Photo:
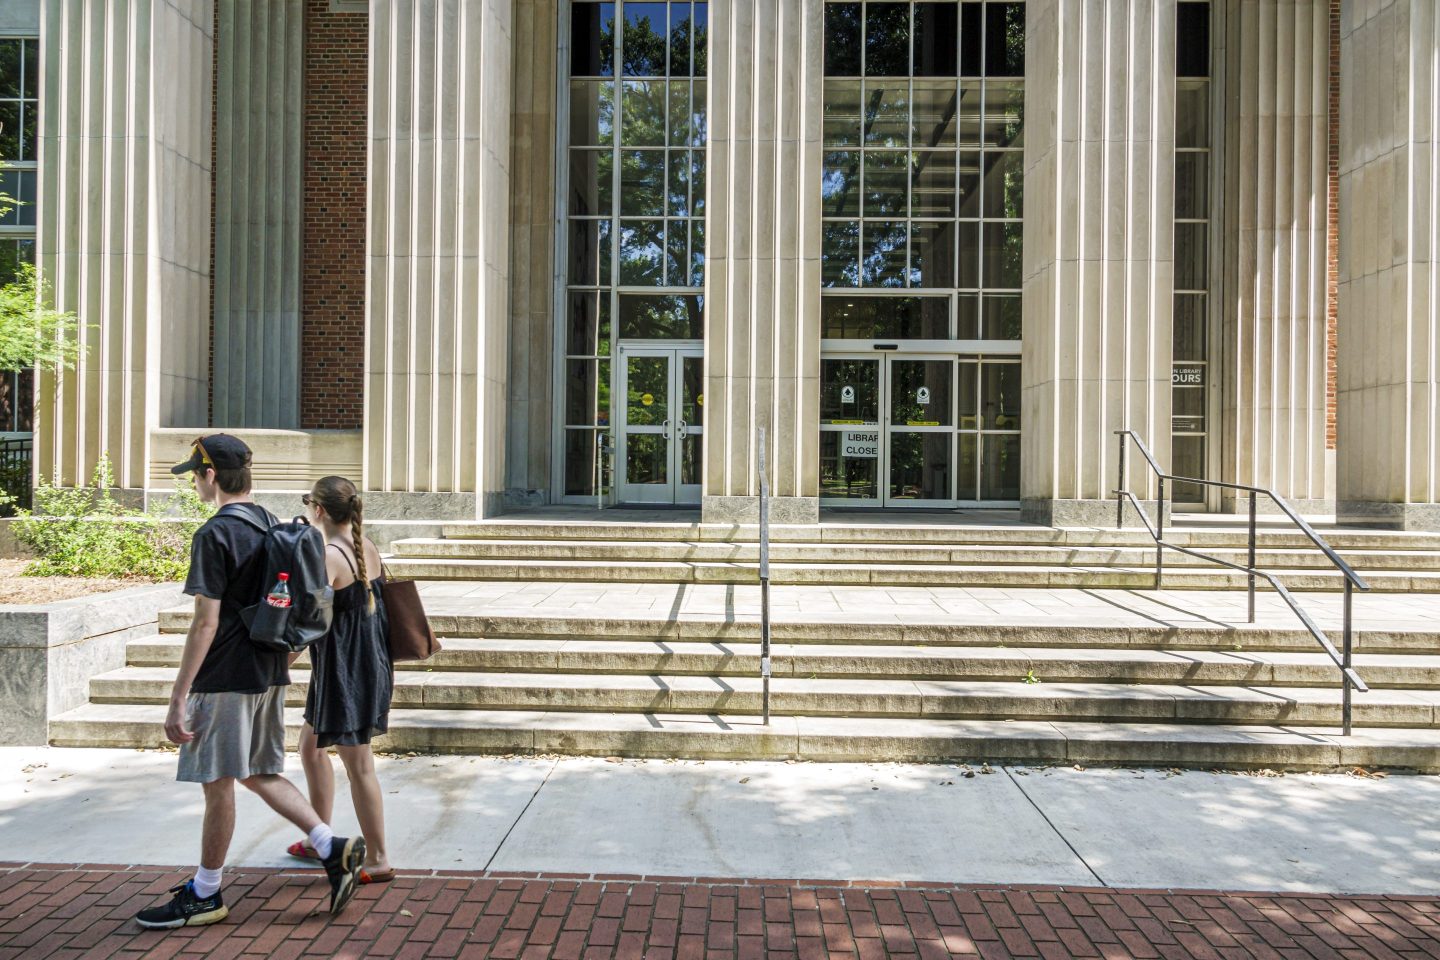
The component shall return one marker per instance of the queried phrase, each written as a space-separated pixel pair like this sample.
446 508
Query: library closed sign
1188 375
860 444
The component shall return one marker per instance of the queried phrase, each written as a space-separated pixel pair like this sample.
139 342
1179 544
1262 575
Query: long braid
358 538
341 502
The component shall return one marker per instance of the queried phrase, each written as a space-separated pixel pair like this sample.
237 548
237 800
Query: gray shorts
236 735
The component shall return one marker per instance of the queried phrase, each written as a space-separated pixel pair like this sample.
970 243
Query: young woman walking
351 677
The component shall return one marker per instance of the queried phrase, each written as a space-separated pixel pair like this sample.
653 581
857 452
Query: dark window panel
887 39
883 263
972 38
592 39
9 130
32 68
1192 40
29 122
10 69
580 452
591 182
662 317
1004 185
1005 39
588 323
936 40
589 252
842 39
587 393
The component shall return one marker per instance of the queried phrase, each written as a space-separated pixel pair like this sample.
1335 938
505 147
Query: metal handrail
764 582
1344 660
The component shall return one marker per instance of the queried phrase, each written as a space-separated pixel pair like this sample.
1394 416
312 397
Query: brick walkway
65 911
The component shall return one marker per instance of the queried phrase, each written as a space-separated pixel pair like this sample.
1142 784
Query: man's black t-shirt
227 562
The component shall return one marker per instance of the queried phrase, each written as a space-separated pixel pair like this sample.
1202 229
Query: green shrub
86 532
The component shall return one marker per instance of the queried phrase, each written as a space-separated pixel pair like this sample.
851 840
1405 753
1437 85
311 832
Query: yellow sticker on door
648 399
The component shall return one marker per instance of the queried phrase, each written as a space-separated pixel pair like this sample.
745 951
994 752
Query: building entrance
909 429
660 433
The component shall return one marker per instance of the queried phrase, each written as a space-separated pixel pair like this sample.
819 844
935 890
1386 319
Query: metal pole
1119 494
1160 535
1251 564
1349 593
764 584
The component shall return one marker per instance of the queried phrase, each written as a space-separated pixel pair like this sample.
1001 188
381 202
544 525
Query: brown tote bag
410 635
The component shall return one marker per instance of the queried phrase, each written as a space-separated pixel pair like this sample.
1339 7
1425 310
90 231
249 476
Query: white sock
207 882
320 839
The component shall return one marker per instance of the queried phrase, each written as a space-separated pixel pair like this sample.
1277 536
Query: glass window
1189 325
842 39
661 318
923 177
936 39
870 318
635 199
887 39
849 391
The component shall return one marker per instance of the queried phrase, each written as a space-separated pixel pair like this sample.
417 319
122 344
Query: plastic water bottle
279 595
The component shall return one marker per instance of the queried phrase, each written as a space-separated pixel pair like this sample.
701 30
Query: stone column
1270 356
1388 428
1099 236
438 250
124 232
762 282
531 413
259 153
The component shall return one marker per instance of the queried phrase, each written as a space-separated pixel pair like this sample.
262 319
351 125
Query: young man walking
227 711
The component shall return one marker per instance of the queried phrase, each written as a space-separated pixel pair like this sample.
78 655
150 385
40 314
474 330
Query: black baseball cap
218 450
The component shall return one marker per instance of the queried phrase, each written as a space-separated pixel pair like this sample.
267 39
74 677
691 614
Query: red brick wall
1332 226
332 282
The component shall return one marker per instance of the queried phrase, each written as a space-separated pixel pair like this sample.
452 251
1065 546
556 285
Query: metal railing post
1346 653
1119 495
1160 535
1251 564
764 584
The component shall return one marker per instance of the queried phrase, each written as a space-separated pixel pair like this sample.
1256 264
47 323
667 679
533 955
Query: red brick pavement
85 911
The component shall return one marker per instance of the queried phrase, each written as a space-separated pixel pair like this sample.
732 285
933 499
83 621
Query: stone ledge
49 652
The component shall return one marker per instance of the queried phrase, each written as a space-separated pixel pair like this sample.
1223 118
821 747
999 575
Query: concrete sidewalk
1059 826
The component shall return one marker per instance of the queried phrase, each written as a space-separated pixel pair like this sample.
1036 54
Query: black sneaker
185 909
347 856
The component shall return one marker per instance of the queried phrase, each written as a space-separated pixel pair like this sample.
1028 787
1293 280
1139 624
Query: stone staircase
938 554
643 640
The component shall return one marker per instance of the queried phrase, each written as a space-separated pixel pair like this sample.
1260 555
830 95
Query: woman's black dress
351 677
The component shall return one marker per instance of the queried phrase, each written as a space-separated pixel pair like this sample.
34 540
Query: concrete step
727 736
816 661
956 699
875 574
1271 535
999 554
1049 634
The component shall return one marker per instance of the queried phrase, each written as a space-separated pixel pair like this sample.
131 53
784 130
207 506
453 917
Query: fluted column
762 283
530 406
1099 236
1388 423
259 152
124 232
1272 345
438 249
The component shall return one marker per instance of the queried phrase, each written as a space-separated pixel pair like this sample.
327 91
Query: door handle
680 430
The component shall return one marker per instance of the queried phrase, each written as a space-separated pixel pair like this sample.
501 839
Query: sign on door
860 444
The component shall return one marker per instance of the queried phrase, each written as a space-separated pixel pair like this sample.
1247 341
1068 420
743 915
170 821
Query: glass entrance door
661 428
914 430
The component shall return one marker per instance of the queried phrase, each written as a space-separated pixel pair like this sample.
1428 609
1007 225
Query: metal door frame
673 429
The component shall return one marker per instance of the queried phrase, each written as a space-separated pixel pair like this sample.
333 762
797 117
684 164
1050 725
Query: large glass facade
1190 377
19 149
635 206
922 194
